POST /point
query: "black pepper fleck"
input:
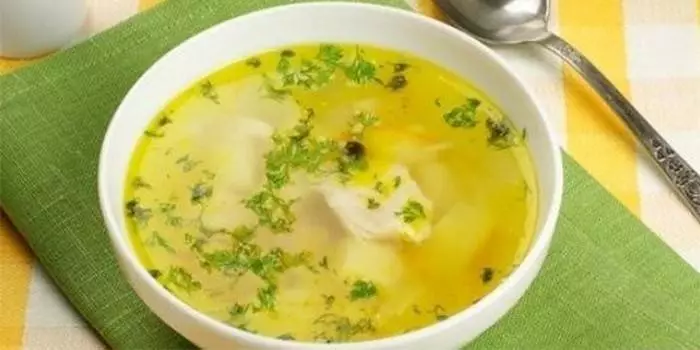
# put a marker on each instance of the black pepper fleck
(355, 149)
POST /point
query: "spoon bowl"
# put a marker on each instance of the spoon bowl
(500, 21)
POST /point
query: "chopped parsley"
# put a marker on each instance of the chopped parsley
(440, 313)
(361, 71)
(397, 181)
(253, 62)
(195, 244)
(286, 336)
(361, 121)
(243, 233)
(170, 219)
(324, 262)
(155, 273)
(158, 132)
(486, 275)
(248, 257)
(328, 300)
(275, 93)
(379, 187)
(266, 298)
(362, 290)
(157, 240)
(238, 311)
(342, 328)
(463, 116)
(164, 120)
(187, 163)
(501, 136)
(372, 204)
(179, 277)
(137, 212)
(139, 182)
(411, 211)
(397, 82)
(401, 67)
(207, 90)
(329, 54)
(311, 74)
(273, 212)
(287, 53)
(200, 192)
(154, 134)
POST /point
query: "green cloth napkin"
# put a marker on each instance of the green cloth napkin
(609, 283)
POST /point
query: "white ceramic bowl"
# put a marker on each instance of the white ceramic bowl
(327, 22)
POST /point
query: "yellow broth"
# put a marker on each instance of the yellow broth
(191, 192)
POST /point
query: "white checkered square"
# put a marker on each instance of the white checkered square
(663, 51)
(660, 11)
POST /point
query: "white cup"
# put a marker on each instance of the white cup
(30, 28)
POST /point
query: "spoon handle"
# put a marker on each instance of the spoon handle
(685, 180)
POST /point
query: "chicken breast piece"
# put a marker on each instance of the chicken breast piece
(392, 207)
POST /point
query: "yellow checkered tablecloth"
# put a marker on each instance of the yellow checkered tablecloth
(649, 48)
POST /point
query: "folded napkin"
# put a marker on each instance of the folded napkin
(608, 283)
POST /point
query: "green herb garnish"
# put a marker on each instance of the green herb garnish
(155, 273)
(253, 62)
(266, 298)
(440, 313)
(328, 300)
(362, 121)
(401, 67)
(277, 94)
(158, 240)
(501, 135)
(342, 327)
(273, 211)
(288, 53)
(372, 204)
(362, 290)
(195, 244)
(486, 275)
(463, 116)
(139, 182)
(164, 120)
(324, 262)
(208, 91)
(361, 71)
(243, 233)
(329, 54)
(200, 192)
(137, 212)
(379, 187)
(238, 311)
(187, 163)
(411, 211)
(397, 82)
(397, 181)
(286, 336)
(180, 278)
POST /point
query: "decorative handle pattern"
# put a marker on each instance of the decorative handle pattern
(678, 172)
(685, 180)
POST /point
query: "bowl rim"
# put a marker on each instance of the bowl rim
(539, 246)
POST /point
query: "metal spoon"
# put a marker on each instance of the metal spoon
(520, 21)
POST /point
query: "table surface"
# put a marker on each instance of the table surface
(649, 48)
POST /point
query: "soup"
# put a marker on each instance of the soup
(331, 193)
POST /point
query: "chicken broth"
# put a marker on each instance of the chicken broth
(331, 193)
